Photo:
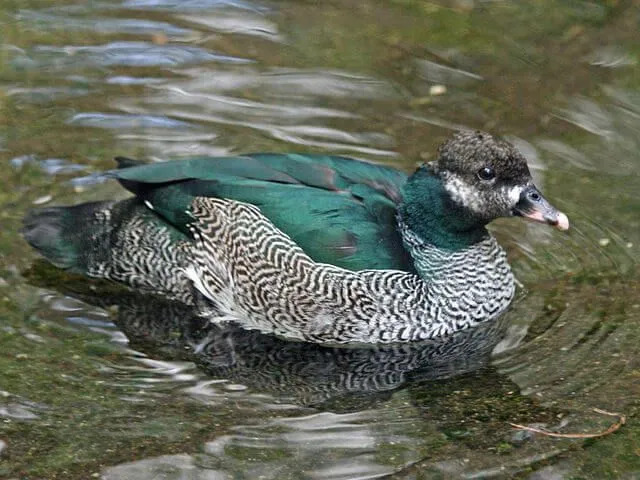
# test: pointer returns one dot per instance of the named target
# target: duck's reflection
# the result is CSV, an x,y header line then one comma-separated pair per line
x,y
310,373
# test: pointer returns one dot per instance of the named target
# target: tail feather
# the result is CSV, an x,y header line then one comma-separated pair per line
x,y
121,241
61,234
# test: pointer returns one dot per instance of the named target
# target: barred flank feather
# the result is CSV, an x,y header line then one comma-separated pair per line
x,y
253,273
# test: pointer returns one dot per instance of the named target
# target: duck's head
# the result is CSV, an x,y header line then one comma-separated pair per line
x,y
475,179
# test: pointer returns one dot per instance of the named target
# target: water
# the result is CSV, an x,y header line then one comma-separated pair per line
x,y
99,383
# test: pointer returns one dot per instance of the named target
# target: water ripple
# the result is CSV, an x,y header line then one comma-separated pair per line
x,y
611,56
186,5
51,166
325,445
102,25
567,153
14,407
133,54
239,107
127,80
588,115
45,94
438,73
124,121
236,23
203,100
290,83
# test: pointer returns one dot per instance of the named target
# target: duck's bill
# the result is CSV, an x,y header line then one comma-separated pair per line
x,y
533,206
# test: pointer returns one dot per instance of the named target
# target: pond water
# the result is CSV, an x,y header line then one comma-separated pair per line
x,y
96,382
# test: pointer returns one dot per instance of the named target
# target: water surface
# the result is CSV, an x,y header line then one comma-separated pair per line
x,y
97,382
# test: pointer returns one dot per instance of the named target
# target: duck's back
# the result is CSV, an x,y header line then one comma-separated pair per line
x,y
338,210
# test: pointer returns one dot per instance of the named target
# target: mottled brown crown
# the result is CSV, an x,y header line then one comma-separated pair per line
x,y
468,151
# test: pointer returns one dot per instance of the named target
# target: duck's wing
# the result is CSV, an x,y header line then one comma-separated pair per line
x,y
339,210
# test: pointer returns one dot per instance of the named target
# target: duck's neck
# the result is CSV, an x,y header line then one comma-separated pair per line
x,y
438,233
429,212
466,271
458,269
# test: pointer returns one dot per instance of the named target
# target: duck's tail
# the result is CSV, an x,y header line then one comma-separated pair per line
x,y
68,236
121,241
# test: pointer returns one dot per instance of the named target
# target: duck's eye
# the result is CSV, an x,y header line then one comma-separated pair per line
x,y
486,173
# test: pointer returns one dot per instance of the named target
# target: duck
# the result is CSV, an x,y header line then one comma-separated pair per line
x,y
311,247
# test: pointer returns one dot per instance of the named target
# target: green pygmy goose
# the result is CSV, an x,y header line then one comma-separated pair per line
x,y
313,247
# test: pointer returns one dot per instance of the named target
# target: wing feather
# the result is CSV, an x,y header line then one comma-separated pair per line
x,y
339,210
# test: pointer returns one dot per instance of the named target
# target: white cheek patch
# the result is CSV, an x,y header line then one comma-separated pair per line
x,y
464,194
514,194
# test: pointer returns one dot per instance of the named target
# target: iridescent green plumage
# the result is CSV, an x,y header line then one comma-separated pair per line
x,y
340,211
